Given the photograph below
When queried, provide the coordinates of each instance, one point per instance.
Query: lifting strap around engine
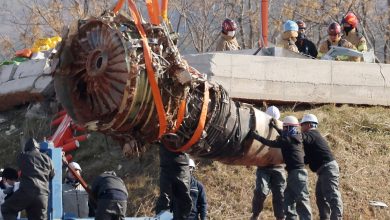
(154, 85)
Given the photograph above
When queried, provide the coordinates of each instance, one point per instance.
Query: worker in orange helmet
(349, 25)
(334, 39)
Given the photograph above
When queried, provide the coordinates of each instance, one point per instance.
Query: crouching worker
(110, 197)
(33, 193)
(296, 194)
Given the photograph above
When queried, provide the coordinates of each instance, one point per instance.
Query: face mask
(231, 33)
(348, 29)
(301, 36)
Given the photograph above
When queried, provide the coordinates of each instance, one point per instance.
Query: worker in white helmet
(270, 178)
(296, 195)
(198, 196)
(74, 196)
(321, 161)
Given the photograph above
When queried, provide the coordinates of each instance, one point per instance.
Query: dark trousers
(269, 180)
(35, 206)
(175, 192)
(108, 209)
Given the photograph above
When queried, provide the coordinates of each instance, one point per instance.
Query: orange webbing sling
(156, 91)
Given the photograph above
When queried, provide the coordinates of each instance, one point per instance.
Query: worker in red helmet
(334, 39)
(305, 45)
(228, 39)
(349, 25)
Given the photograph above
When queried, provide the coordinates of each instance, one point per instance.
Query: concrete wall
(296, 80)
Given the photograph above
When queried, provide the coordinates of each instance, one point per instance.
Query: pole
(264, 22)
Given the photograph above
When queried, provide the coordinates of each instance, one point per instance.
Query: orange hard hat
(351, 19)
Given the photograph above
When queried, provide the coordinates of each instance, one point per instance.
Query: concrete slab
(7, 72)
(30, 68)
(296, 80)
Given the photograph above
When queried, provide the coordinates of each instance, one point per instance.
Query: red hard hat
(301, 24)
(229, 25)
(350, 18)
(334, 28)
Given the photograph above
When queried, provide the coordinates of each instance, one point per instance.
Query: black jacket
(307, 47)
(199, 202)
(291, 147)
(108, 186)
(36, 170)
(317, 151)
(172, 160)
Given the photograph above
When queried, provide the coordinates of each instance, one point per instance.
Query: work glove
(253, 134)
(272, 123)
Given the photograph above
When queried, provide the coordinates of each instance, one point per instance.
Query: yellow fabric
(43, 44)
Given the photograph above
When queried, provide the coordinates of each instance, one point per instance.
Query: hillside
(359, 137)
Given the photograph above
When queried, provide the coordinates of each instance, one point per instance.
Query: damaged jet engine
(104, 83)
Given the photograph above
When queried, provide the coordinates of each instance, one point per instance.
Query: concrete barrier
(296, 80)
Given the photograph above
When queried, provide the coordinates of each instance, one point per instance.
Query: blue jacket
(199, 203)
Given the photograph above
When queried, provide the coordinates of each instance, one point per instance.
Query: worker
(109, 197)
(296, 194)
(321, 161)
(334, 39)
(303, 44)
(174, 183)
(349, 25)
(227, 40)
(289, 36)
(74, 196)
(198, 196)
(269, 178)
(8, 184)
(33, 193)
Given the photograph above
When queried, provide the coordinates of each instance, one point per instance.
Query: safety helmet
(191, 163)
(228, 25)
(290, 121)
(290, 26)
(309, 118)
(351, 19)
(273, 111)
(334, 28)
(10, 173)
(75, 166)
(301, 24)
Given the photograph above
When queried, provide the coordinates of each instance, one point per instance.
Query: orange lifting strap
(164, 10)
(154, 86)
(202, 121)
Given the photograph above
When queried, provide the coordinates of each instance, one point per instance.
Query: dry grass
(359, 138)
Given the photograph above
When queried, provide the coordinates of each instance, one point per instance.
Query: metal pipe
(105, 88)
(264, 21)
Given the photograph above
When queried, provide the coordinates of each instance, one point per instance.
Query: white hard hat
(273, 111)
(75, 166)
(290, 121)
(309, 118)
(191, 163)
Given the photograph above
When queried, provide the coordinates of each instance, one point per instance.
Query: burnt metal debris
(102, 82)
